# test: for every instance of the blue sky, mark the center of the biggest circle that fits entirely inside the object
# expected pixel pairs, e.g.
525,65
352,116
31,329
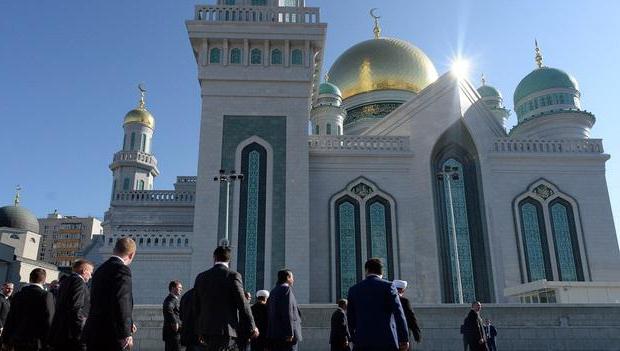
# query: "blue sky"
69,71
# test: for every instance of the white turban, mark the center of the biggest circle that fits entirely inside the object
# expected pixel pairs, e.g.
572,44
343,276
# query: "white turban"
400,284
262,293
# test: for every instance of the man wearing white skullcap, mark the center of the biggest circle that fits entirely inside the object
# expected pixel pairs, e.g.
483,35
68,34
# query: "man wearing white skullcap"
412,323
259,311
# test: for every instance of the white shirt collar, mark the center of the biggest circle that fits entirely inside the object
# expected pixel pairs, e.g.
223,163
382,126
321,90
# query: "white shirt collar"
374,275
120,258
224,263
39,285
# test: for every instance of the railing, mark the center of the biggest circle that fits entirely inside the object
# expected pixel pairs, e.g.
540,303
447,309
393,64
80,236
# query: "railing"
349,143
187,179
154,196
135,156
216,13
152,240
506,145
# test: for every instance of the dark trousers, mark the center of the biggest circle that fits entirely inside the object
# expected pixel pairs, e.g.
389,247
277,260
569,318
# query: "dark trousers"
221,343
108,345
284,347
70,346
339,348
172,344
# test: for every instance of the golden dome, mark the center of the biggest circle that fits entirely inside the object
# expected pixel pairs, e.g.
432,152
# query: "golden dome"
140,115
380,64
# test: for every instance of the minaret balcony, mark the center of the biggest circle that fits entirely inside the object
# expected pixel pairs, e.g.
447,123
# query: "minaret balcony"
223,13
131,158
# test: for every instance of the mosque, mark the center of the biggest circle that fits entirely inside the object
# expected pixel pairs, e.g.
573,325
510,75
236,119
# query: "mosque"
401,163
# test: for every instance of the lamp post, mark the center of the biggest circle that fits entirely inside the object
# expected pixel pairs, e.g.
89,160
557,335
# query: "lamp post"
227,178
452,173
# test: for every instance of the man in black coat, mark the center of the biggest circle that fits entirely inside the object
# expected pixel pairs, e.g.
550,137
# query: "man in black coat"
189,339
412,322
284,318
490,333
221,309
31,314
339,333
72,305
259,311
109,326
172,320
473,329
5,303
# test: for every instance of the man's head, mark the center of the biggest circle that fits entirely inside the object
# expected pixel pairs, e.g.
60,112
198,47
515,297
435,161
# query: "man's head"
262,296
54,284
374,266
401,286
84,268
222,254
342,303
487,321
476,306
175,287
37,276
7,289
286,276
125,248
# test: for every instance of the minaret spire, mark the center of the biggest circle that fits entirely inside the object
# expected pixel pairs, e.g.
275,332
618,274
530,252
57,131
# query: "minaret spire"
483,79
377,29
539,56
141,104
17,190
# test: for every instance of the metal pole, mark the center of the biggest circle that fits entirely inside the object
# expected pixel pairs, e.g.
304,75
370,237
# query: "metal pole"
227,210
455,244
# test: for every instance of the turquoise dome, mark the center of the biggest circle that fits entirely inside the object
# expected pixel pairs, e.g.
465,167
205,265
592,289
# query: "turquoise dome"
329,88
489,91
17,217
542,79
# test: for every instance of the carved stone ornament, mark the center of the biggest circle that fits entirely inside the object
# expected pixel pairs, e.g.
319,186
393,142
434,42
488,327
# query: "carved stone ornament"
543,191
362,190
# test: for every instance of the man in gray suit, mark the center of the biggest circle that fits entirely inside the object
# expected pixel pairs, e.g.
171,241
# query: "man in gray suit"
284,318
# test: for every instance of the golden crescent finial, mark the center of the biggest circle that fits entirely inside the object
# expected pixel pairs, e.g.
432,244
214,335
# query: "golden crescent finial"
377,29
539,56
17,190
142,90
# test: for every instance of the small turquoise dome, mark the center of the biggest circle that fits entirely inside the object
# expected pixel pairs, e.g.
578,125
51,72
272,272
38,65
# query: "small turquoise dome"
489,91
329,88
542,79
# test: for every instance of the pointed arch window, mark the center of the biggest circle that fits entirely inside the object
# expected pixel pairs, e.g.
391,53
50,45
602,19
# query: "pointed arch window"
140,184
297,57
256,57
328,129
143,142
535,240
348,244
126,184
235,56
317,129
565,239
276,57
215,55
133,141
379,232
252,216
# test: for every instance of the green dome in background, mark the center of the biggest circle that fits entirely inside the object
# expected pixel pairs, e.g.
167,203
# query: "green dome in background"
542,79
489,91
17,217
329,88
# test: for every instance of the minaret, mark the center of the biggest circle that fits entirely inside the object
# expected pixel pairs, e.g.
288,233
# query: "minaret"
493,99
135,167
327,115
258,65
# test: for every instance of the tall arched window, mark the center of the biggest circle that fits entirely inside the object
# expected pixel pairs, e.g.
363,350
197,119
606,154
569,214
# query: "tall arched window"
328,129
565,239
379,232
256,57
535,240
339,130
126,184
317,129
215,55
297,57
276,57
235,56
143,142
140,184
252,207
125,142
133,141
348,245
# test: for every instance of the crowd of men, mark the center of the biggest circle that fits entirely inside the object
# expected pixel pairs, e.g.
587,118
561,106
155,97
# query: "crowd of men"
215,315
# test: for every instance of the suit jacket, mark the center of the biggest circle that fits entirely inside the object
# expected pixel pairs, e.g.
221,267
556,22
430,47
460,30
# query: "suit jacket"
259,311
187,316
171,317
412,322
111,304
72,305
220,304
473,331
5,306
284,318
339,333
375,315
30,317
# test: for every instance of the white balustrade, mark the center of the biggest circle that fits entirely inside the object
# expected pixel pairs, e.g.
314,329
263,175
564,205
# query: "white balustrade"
352,143
143,197
187,179
217,13
507,145
135,156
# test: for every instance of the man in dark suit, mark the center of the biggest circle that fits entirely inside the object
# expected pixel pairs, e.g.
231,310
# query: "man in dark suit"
490,333
259,311
189,339
375,315
221,309
109,326
412,322
473,330
31,314
172,321
339,333
5,303
284,318
72,305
